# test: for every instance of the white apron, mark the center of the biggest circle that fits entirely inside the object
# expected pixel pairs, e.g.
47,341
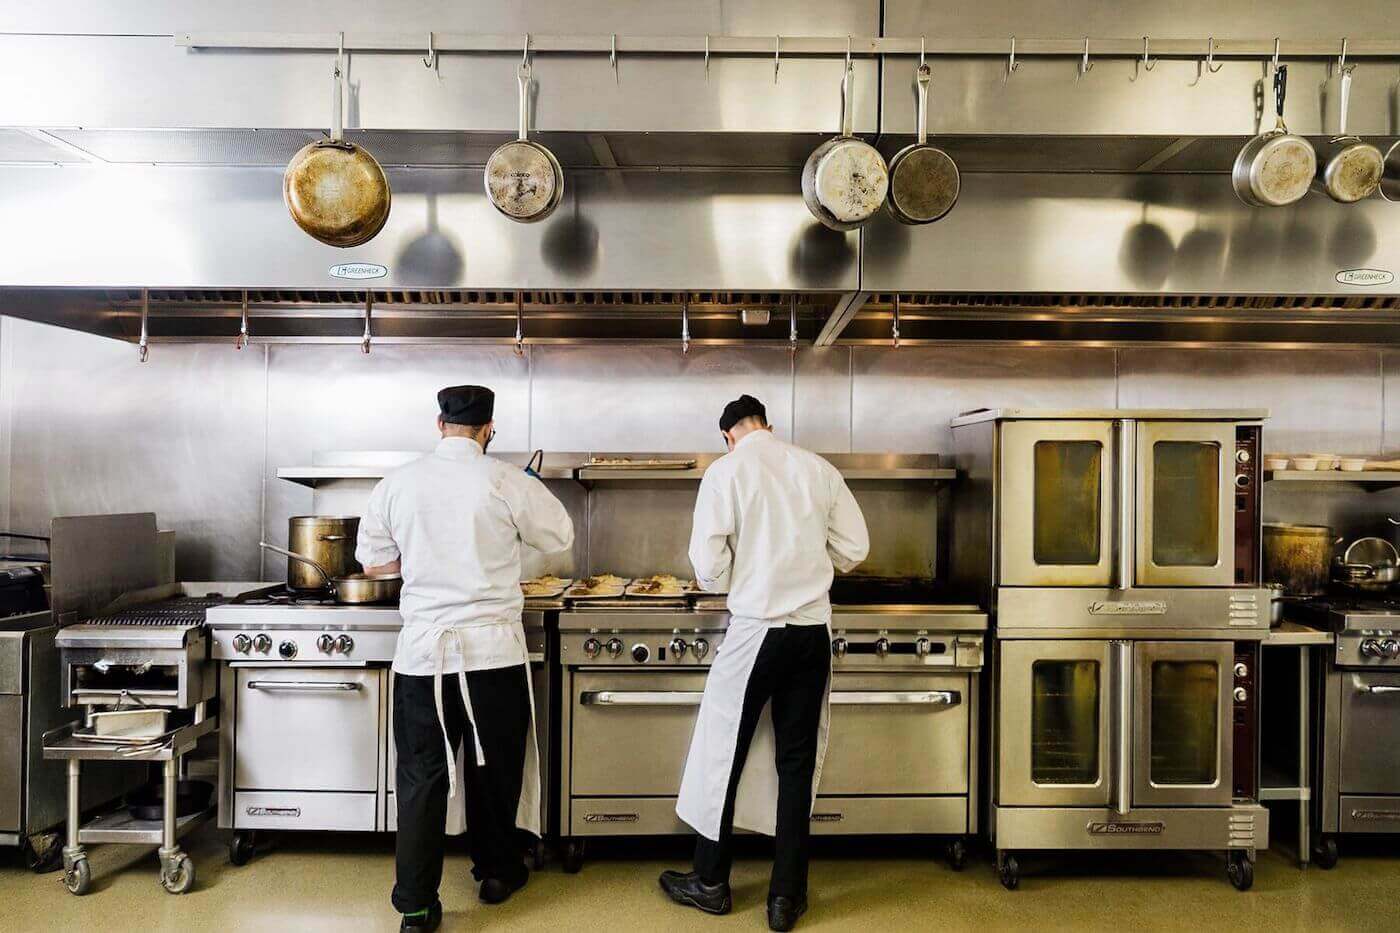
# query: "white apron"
527,814
713,744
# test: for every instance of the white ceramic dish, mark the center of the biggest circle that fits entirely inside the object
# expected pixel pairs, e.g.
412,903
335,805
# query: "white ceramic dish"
1303,463
1275,463
1352,464
1327,461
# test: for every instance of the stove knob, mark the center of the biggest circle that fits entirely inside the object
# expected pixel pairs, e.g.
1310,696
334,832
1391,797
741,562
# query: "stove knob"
345,644
838,647
1241,694
1370,648
263,643
592,647
640,653
614,647
922,647
326,643
288,649
241,643
1241,670
701,647
1391,648
882,647
1242,456
678,647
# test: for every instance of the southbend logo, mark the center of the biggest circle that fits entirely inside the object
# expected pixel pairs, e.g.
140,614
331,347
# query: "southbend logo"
828,817
1365,277
611,817
1145,608
294,812
1141,828
359,270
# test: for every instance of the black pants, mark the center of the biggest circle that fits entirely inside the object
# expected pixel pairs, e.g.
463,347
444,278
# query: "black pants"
501,701
790,671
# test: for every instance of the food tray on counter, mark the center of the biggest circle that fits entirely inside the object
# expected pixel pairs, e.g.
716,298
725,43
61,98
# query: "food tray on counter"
661,586
588,588
548,587
628,463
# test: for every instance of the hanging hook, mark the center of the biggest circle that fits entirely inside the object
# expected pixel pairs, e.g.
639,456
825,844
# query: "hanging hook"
777,46
242,340
431,61
369,308
143,343
894,329
525,55
792,323
1085,66
1148,63
519,323
921,51
1211,66
685,325
612,59
1011,64
707,56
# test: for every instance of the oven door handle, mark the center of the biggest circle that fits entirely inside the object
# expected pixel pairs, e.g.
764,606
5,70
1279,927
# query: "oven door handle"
640,698
305,686
1375,688
896,698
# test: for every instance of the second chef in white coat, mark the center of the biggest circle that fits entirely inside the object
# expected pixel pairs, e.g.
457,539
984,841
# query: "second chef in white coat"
454,523
771,522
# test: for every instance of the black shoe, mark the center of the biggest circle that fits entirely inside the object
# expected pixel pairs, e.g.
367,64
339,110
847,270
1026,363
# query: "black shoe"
425,922
687,888
784,911
496,891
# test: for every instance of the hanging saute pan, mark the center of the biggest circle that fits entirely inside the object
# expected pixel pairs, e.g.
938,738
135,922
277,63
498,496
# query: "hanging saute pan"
924,180
524,180
845,179
334,189
1275,168
1348,169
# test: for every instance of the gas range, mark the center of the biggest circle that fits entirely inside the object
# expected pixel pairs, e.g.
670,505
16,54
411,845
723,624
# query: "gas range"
1368,629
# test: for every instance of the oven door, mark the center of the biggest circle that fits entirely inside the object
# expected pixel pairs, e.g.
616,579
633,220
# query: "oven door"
308,728
1185,516
1054,723
1183,723
1370,711
1058,482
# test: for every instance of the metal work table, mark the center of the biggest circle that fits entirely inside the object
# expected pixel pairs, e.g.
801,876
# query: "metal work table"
1304,639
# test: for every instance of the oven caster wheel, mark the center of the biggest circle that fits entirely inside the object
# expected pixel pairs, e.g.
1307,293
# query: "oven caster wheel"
1325,855
179,878
537,855
240,847
957,854
1240,870
1008,870
573,856
77,878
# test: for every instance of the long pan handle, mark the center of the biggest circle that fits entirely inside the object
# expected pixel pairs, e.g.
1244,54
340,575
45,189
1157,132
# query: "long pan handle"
1280,92
1346,102
524,102
293,555
848,104
923,78
337,106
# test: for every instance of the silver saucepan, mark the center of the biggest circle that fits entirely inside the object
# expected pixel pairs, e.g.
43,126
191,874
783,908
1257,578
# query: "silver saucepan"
1275,168
354,589
524,180
1348,168
845,179
924,180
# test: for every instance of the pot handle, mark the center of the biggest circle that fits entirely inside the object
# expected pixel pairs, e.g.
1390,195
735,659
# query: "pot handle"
848,87
1392,521
923,78
293,555
1280,92
338,78
331,537
1346,102
525,72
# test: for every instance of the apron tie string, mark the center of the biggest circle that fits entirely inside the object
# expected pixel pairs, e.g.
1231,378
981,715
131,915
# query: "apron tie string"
445,635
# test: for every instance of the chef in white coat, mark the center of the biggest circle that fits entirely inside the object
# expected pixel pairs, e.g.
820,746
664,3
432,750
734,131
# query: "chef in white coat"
771,522
453,523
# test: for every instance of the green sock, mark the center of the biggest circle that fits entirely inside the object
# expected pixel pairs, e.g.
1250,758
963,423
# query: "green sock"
419,913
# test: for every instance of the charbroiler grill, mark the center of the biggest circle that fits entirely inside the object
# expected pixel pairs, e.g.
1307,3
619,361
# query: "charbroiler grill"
904,722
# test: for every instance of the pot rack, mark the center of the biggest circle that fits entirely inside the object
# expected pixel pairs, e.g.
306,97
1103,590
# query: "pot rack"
1013,48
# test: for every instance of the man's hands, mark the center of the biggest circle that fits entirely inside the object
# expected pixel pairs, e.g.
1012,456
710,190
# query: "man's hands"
393,566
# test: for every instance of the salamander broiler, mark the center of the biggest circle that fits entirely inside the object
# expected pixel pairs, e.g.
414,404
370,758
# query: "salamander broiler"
902,752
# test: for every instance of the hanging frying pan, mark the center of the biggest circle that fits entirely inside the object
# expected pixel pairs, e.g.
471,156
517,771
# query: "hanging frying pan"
1390,179
334,189
1275,168
1348,169
845,179
924,180
524,180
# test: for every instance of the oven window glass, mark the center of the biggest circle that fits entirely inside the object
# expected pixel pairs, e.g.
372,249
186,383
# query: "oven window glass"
1065,722
1185,728
1185,504
1067,483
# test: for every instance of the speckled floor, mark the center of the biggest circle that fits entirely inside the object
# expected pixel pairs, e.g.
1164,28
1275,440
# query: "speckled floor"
328,882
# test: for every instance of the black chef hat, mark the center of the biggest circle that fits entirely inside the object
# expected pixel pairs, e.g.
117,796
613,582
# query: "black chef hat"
745,406
471,405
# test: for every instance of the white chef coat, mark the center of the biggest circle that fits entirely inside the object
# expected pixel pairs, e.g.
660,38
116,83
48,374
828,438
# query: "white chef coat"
771,520
456,519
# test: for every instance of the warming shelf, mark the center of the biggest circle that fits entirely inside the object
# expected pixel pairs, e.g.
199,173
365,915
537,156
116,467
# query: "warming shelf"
1372,479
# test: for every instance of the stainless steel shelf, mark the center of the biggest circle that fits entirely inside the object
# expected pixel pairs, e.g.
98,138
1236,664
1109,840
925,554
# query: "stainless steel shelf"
1372,479
314,476
922,475
119,826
